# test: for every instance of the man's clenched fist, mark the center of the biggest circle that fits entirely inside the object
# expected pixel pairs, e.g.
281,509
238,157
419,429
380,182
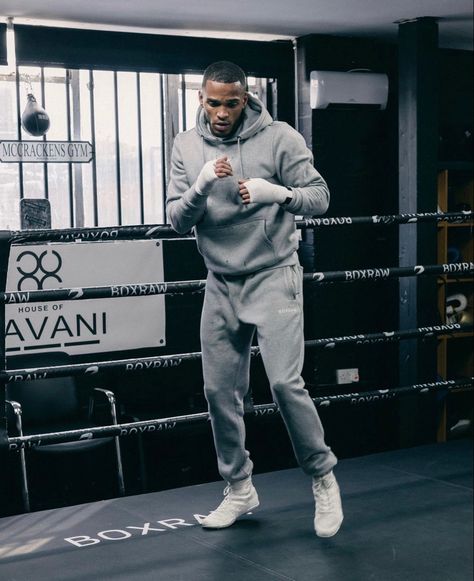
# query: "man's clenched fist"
211,170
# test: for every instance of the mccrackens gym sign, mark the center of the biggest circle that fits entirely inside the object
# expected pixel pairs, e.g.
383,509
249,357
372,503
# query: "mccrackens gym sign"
46,151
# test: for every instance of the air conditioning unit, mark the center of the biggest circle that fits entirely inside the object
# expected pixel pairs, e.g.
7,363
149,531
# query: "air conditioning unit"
334,88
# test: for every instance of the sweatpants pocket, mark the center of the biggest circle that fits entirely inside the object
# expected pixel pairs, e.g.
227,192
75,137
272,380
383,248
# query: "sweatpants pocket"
293,280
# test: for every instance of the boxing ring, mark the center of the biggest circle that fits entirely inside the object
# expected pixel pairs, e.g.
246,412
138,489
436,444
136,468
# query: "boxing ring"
408,513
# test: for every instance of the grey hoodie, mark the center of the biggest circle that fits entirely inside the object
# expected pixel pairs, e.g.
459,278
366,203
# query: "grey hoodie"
234,238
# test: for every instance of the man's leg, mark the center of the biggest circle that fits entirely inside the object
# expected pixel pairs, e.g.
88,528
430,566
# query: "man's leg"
225,344
275,305
277,302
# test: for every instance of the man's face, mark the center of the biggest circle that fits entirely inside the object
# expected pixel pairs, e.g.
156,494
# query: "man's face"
223,104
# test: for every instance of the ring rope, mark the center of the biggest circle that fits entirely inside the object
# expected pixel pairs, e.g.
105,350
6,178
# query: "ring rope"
166,361
155,231
387,220
167,288
166,424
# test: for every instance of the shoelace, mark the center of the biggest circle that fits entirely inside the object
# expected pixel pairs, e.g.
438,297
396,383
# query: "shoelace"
323,497
224,502
226,494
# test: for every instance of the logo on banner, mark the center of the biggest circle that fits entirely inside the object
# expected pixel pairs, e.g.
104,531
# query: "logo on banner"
42,325
45,265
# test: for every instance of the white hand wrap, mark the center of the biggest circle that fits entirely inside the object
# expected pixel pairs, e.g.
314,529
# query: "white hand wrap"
206,177
263,192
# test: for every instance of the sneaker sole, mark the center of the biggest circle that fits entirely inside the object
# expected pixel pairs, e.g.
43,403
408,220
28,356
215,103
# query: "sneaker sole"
204,526
329,535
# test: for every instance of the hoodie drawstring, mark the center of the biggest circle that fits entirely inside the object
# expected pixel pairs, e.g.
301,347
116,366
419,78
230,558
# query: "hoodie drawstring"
240,158
202,151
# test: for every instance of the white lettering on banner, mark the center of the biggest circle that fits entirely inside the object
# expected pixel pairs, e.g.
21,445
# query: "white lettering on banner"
440,328
431,385
367,274
458,267
371,398
124,533
151,428
27,377
143,365
343,338
18,298
24,445
368,341
91,325
329,221
131,290
340,396
90,235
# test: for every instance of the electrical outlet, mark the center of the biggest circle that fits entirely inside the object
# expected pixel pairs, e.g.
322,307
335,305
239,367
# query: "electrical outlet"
347,376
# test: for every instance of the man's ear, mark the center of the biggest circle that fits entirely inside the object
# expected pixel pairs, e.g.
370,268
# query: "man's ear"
246,98
200,97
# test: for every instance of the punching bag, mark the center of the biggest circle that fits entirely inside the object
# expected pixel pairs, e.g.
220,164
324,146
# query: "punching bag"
34,118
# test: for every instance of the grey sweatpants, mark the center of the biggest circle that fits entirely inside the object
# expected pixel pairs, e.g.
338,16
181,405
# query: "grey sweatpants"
270,303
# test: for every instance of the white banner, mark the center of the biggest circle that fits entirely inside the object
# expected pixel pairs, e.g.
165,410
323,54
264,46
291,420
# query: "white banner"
89,326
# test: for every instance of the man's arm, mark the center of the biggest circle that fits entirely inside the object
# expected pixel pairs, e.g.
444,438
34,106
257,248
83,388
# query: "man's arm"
310,193
185,203
302,191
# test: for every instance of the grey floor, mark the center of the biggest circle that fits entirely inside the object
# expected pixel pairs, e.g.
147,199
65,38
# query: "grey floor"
408,516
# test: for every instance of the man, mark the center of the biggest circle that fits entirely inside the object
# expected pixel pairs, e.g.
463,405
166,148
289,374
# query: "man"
238,178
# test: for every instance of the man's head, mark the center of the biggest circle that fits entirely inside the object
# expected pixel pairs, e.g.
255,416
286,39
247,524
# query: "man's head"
223,97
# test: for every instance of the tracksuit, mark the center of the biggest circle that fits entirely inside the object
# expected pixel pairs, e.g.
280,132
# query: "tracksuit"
254,283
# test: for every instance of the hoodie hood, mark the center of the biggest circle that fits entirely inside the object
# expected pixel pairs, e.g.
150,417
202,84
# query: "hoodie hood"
254,118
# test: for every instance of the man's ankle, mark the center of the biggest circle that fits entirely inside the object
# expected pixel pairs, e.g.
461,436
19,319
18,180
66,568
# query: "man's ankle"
241,485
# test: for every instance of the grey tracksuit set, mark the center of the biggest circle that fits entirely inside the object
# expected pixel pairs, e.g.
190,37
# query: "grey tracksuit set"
254,281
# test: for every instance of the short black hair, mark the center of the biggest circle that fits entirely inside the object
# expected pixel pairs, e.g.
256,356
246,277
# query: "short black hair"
225,72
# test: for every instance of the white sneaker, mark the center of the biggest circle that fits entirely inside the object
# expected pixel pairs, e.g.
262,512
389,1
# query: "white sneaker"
240,498
328,516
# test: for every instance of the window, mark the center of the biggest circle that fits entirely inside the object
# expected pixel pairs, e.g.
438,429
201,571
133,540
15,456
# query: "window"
128,118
